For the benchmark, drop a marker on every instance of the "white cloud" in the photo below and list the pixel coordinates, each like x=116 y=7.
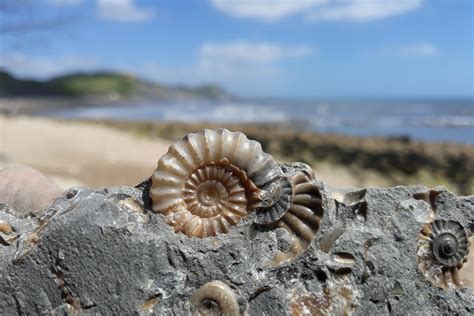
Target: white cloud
x=251 y=52
x=229 y=64
x=244 y=59
x=363 y=10
x=316 y=10
x=43 y=68
x=266 y=10
x=123 y=11
x=417 y=49
x=64 y=2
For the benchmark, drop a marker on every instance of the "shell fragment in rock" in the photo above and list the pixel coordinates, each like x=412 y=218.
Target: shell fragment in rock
x=215 y=298
x=5 y=227
x=208 y=181
x=443 y=246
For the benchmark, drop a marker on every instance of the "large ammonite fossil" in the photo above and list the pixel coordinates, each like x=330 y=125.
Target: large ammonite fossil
x=442 y=250
x=208 y=181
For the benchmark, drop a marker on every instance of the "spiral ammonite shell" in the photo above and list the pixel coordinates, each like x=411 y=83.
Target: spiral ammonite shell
x=303 y=216
x=278 y=195
x=275 y=201
x=209 y=180
x=449 y=242
x=215 y=298
x=442 y=249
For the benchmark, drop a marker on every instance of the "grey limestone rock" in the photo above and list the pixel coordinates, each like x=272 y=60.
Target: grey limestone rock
x=106 y=252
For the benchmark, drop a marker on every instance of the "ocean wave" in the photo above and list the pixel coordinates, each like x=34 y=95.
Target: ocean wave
x=419 y=121
x=447 y=121
x=228 y=112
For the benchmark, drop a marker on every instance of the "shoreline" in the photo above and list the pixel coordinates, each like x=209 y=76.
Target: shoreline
x=442 y=129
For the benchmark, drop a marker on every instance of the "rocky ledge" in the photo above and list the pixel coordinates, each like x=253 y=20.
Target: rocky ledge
x=371 y=251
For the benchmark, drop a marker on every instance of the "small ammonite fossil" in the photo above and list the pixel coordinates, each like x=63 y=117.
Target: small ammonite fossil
x=276 y=201
x=208 y=181
x=449 y=242
x=442 y=249
x=215 y=298
x=303 y=217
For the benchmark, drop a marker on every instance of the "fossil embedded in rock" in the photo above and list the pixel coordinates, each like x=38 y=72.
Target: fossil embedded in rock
x=278 y=194
x=275 y=201
x=5 y=227
x=303 y=216
x=215 y=298
x=442 y=249
x=208 y=181
x=449 y=242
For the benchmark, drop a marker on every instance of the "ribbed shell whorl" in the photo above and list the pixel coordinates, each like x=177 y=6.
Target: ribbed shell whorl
x=443 y=247
x=276 y=201
x=209 y=180
x=304 y=214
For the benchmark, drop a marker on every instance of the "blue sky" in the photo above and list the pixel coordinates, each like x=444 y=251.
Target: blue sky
x=265 y=48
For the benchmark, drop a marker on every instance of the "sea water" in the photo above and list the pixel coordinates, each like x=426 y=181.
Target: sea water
x=435 y=121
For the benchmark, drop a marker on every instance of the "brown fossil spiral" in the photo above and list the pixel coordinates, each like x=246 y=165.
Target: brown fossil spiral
x=208 y=181
x=215 y=298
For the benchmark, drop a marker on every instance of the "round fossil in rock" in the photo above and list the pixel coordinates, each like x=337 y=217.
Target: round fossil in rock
x=5 y=227
x=303 y=216
x=449 y=242
x=443 y=246
x=215 y=298
x=208 y=181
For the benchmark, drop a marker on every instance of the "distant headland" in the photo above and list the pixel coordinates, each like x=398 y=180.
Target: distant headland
x=113 y=86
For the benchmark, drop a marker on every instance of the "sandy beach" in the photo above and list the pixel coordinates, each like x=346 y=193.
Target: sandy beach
x=77 y=153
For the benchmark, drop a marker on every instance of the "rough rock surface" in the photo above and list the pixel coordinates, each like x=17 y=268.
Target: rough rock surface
x=106 y=252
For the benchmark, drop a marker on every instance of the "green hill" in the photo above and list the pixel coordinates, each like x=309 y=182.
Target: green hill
x=103 y=84
x=95 y=84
